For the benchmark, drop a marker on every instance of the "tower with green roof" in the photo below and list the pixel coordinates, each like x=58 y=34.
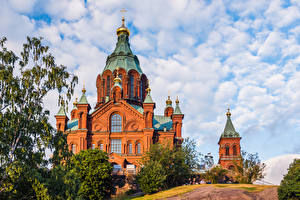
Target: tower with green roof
x=123 y=122
x=229 y=145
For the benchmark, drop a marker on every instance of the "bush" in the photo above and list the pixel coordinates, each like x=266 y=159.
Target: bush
x=152 y=177
x=216 y=175
x=94 y=171
x=290 y=185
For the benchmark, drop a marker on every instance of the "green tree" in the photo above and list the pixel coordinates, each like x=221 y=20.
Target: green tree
x=94 y=172
x=216 y=174
x=25 y=131
x=290 y=185
x=249 y=169
x=178 y=165
x=152 y=177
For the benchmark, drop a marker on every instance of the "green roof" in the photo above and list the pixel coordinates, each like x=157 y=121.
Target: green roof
x=72 y=125
x=229 y=131
x=61 y=111
x=177 y=110
x=83 y=99
x=160 y=122
x=148 y=98
x=123 y=57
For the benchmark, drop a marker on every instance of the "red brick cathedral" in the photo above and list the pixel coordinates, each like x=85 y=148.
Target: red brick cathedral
x=123 y=122
x=229 y=145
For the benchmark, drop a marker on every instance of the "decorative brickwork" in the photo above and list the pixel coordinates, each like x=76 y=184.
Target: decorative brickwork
x=123 y=122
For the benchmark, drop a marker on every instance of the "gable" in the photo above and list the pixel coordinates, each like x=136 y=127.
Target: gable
x=132 y=118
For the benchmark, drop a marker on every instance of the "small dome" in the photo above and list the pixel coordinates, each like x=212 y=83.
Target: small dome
x=123 y=28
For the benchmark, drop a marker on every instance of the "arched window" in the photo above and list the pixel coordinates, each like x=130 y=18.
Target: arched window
x=141 y=90
x=130 y=148
x=108 y=86
x=227 y=150
x=103 y=87
x=73 y=148
x=234 y=150
x=131 y=85
x=138 y=148
x=116 y=123
x=101 y=147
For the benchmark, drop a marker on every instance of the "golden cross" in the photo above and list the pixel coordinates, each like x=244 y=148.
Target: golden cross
x=123 y=10
x=123 y=18
x=228 y=108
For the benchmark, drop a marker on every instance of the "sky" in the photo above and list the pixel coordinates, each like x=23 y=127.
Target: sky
x=210 y=53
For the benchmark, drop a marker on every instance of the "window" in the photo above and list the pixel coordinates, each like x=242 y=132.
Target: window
x=73 y=148
x=103 y=87
x=116 y=145
x=116 y=123
x=138 y=148
x=101 y=147
x=227 y=150
x=141 y=90
x=93 y=146
x=130 y=148
x=108 y=86
x=234 y=150
x=131 y=85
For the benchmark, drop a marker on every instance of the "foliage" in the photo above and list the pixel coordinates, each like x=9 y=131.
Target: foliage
x=165 y=167
x=290 y=185
x=152 y=177
x=25 y=131
x=249 y=169
x=216 y=174
x=94 y=172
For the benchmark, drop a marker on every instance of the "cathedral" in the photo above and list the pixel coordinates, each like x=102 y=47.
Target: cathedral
x=229 y=145
x=123 y=122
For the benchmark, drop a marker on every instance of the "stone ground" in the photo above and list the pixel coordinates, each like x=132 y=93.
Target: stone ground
x=214 y=193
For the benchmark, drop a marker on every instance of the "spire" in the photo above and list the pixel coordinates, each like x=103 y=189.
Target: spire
x=75 y=104
x=229 y=130
x=148 y=98
x=83 y=99
x=177 y=108
x=169 y=101
x=122 y=56
x=61 y=111
x=123 y=29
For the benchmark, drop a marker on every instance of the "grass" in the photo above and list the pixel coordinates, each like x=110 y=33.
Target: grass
x=178 y=191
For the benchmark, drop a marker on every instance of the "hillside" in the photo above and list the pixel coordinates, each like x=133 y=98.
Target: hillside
x=216 y=192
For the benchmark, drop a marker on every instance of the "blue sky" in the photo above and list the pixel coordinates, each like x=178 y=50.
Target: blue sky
x=209 y=53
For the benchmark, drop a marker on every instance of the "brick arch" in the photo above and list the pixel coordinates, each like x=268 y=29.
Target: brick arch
x=136 y=77
x=122 y=119
x=132 y=126
x=142 y=146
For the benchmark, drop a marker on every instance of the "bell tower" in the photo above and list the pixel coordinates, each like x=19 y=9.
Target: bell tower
x=229 y=145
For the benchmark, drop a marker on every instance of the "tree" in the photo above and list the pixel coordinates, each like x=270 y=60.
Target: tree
x=174 y=166
x=249 y=168
x=94 y=172
x=290 y=185
x=216 y=174
x=25 y=131
x=152 y=177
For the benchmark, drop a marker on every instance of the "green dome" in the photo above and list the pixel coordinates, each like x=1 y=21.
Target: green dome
x=122 y=56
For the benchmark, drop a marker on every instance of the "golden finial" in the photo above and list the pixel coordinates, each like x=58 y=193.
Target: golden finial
x=169 y=101
x=148 y=90
x=83 y=89
x=228 y=112
x=117 y=79
x=123 y=28
x=75 y=102
x=177 y=100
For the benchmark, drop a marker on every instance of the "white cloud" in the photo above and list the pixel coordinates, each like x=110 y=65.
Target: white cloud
x=22 y=6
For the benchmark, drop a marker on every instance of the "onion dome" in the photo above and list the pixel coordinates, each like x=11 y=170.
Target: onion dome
x=122 y=56
x=123 y=29
x=117 y=80
x=168 y=102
